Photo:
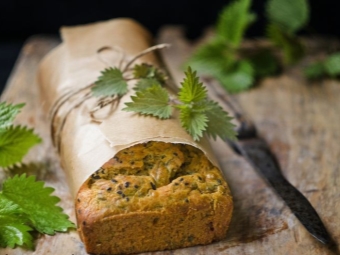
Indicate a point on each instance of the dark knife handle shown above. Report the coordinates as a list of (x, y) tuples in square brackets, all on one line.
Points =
[(260, 157)]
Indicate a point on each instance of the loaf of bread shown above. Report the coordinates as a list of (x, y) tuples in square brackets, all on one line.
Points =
[(156, 188), (153, 196)]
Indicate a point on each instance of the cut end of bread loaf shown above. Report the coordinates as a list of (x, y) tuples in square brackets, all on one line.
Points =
[(153, 196)]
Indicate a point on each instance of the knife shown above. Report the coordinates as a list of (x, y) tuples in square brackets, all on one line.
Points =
[(258, 154)]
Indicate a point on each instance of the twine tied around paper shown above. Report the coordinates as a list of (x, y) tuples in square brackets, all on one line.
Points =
[(86, 93)]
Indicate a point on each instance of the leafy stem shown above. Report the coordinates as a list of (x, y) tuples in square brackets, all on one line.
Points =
[(223, 57), (15, 141), (151, 98), (21, 210)]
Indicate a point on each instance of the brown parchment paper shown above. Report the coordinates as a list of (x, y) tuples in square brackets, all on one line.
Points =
[(86, 145)]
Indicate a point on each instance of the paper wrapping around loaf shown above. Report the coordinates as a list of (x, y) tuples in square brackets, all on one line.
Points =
[(86, 145)]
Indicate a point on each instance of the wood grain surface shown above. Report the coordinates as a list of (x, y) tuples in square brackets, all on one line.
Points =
[(299, 120)]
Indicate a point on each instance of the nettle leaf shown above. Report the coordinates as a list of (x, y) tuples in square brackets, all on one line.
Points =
[(141, 71), (148, 71), (239, 78), (289, 15), (264, 63), (145, 83), (13, 225), (332, 65), (234, 20), (196, 110), (30, 168), (110, 83), (151, 101), (315, 70), (8, 112), (292, 48), (328, 67), (13, 232), (194, 122), (219, 122), (15, 143), (212, 58), (192, 89), (7, 207), (37, 203)]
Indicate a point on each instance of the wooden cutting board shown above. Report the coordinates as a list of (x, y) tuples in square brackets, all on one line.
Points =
[(299, 120)]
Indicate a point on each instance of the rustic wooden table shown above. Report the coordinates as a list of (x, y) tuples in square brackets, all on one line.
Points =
[(299, 120)]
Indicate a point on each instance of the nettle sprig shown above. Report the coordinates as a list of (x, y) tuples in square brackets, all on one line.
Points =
[(238, 68), (198, 114), (328, 67), (15, 140), (286, 19), (25, 204), (221, 56)]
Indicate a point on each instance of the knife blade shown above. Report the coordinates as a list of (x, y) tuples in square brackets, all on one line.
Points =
[(258, 154)]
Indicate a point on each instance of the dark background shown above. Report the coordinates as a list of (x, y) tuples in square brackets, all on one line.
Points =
[(21, 19)]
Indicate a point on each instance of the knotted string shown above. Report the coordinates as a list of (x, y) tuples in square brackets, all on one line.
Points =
[(102, 102)]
